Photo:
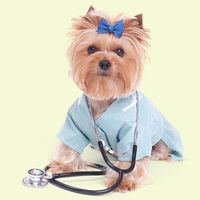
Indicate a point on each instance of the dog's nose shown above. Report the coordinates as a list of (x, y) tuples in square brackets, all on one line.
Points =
[(104, 64)]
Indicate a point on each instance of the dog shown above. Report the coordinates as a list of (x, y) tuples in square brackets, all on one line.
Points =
[(107, 56)]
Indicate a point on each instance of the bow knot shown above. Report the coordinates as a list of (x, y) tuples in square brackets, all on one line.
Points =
[(117, 29)]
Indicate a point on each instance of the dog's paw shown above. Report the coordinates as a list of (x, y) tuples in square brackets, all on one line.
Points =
[(110, 182), (58, 167), (156, 156), (126, 185)]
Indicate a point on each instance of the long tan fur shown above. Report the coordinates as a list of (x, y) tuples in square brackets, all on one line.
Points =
[(101, 89)]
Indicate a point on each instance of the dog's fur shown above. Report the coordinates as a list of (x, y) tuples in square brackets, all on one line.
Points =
[(103, 87)]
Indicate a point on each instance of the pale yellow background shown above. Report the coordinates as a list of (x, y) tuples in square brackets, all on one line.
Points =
[(36, 91)]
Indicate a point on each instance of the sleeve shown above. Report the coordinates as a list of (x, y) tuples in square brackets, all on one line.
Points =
[(71, 135), (172, 138), (169, 135)]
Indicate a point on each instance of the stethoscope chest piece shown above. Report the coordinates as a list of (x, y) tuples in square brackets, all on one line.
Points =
[(35, 178), (38, 178)]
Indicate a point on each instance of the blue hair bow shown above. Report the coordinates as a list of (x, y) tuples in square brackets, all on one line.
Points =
[(117, 29)]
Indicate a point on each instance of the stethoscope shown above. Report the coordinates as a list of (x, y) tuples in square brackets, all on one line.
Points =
[(40, 178)]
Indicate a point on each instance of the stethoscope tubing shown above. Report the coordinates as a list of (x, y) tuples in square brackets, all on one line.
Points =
[(102, 170), (65, 186), (113, 167), (120, 172)]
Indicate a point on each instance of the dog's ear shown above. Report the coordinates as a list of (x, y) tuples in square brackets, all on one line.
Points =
[(135, 22), (133, 28), (86, 22), (90, 9), (139, 19)]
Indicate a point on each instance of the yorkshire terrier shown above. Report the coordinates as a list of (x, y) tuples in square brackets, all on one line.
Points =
[(106, 62)]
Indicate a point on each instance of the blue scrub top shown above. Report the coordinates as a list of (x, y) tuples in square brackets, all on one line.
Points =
[(116, 127)]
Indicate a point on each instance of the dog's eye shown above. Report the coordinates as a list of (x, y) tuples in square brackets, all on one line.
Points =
[(119, 52), (92, 49)]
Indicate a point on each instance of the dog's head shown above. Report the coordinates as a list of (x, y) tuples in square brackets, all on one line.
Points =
[(106, 54)]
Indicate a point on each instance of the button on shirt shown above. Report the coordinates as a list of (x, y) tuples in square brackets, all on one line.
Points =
[(116, 127)]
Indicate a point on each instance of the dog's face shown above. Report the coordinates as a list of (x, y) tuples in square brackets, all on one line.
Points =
[(103, 65)]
